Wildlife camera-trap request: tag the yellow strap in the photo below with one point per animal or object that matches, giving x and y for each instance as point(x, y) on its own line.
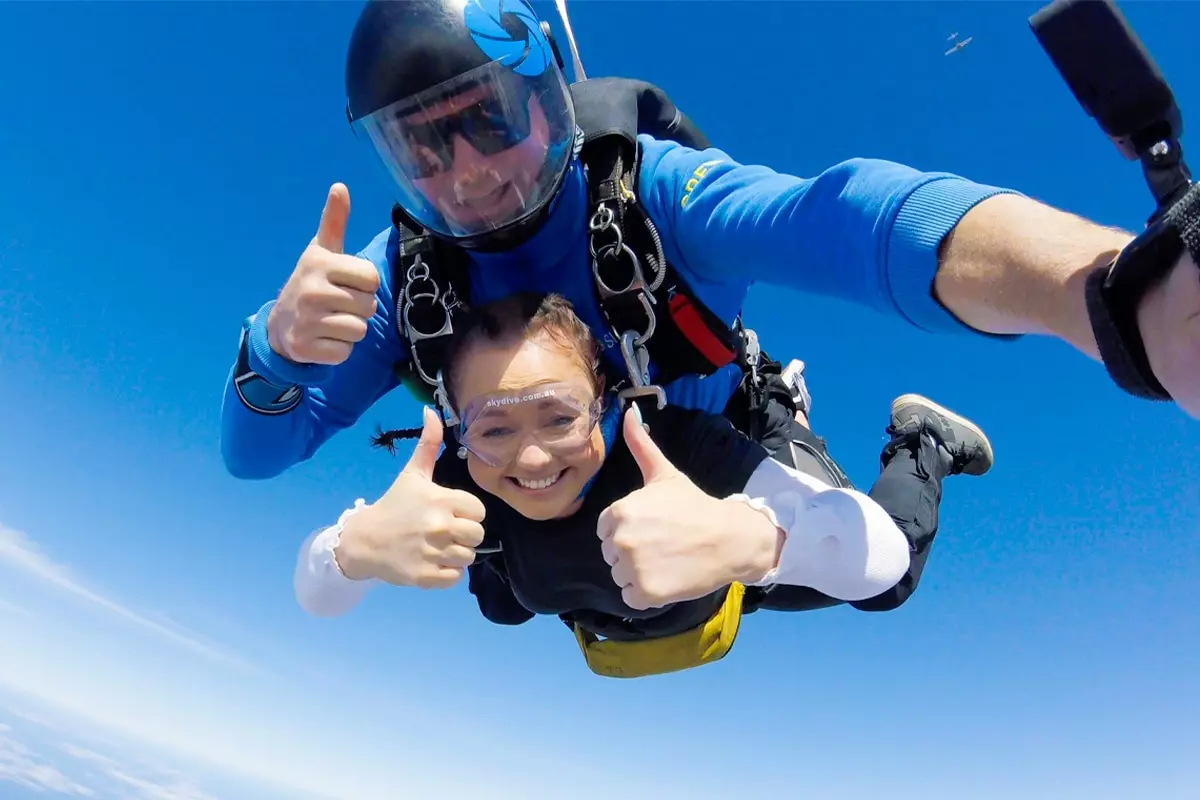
point(701, 645)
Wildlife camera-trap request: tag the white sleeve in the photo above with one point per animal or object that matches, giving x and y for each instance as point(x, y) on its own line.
point(321, 588)
point(838, 541)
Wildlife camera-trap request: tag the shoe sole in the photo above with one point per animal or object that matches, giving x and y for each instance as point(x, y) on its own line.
point(921, 400)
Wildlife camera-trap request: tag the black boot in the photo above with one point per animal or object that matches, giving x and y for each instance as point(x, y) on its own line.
point(968, 447)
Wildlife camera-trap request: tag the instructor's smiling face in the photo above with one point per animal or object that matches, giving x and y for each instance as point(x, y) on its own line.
point(482, 174)
point(530, 411)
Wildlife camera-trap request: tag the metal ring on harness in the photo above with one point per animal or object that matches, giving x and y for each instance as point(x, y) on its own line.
point(415, 335)
point(433, 298)
point(418, 271)
point(602, 220)
point(637, 281)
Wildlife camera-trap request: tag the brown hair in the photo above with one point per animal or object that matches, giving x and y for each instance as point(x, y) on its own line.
point(518, 317)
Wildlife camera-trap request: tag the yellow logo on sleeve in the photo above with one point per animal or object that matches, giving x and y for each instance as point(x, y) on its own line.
point(697, 175)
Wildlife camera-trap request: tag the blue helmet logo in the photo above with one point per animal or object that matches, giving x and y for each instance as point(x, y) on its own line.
point(509, 31)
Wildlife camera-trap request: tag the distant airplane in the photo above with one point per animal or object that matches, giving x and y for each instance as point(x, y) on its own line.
point(952, 37)
point(959, 46)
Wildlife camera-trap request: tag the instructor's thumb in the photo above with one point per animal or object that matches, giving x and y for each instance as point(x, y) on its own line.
point(425, 454)
point(650, 460)
point(331, 232)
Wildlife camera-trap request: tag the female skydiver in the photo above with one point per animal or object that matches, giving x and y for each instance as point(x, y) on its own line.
point(650, 541)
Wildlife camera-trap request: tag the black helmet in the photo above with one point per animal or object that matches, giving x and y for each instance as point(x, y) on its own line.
point(466, 104)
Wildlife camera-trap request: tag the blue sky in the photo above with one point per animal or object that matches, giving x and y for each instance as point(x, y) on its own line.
point(165, 163)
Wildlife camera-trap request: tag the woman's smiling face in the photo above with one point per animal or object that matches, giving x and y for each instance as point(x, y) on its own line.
point(530, 413)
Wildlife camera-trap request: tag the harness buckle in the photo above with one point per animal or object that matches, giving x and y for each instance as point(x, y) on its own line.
point(637, 364)
point(443, 400)
point(753, 352)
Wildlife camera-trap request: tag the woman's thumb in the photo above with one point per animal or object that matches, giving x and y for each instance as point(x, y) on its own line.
point(425, 455)
point(650, 460)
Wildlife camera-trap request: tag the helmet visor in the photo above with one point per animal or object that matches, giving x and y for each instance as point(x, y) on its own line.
point(479, 152)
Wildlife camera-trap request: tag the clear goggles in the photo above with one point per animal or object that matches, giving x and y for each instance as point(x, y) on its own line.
point(558, 417)
point(503, 174)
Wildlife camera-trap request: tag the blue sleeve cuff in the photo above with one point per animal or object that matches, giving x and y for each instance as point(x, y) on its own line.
point(274, 368)
point(926, 217)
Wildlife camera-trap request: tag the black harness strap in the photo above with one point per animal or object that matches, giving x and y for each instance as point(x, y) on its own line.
point(638, 291)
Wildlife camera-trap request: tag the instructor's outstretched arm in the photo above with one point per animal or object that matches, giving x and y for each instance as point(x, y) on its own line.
point(313, 360)
point(944, 253)
point(1013, 265)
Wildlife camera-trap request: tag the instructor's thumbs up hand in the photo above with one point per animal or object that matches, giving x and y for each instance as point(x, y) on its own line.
point(669, 541)
point(324, 307)
point(418, 534)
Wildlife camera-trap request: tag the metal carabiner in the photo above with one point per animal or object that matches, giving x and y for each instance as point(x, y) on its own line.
point(442, 397)
point(637, 365)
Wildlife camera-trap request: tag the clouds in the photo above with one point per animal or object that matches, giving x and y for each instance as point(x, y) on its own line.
point(101, 664)
point(13, 608)
point(150, 783)
point(296, 728)
point(39, 758)
point(19, 764)
point(18, 551)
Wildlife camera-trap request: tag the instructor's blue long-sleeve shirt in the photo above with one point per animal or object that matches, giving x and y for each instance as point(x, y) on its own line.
point(866, 231)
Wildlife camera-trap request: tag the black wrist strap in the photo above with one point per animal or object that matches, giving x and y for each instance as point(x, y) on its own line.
point(1114, 293)
point(1121, 346)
